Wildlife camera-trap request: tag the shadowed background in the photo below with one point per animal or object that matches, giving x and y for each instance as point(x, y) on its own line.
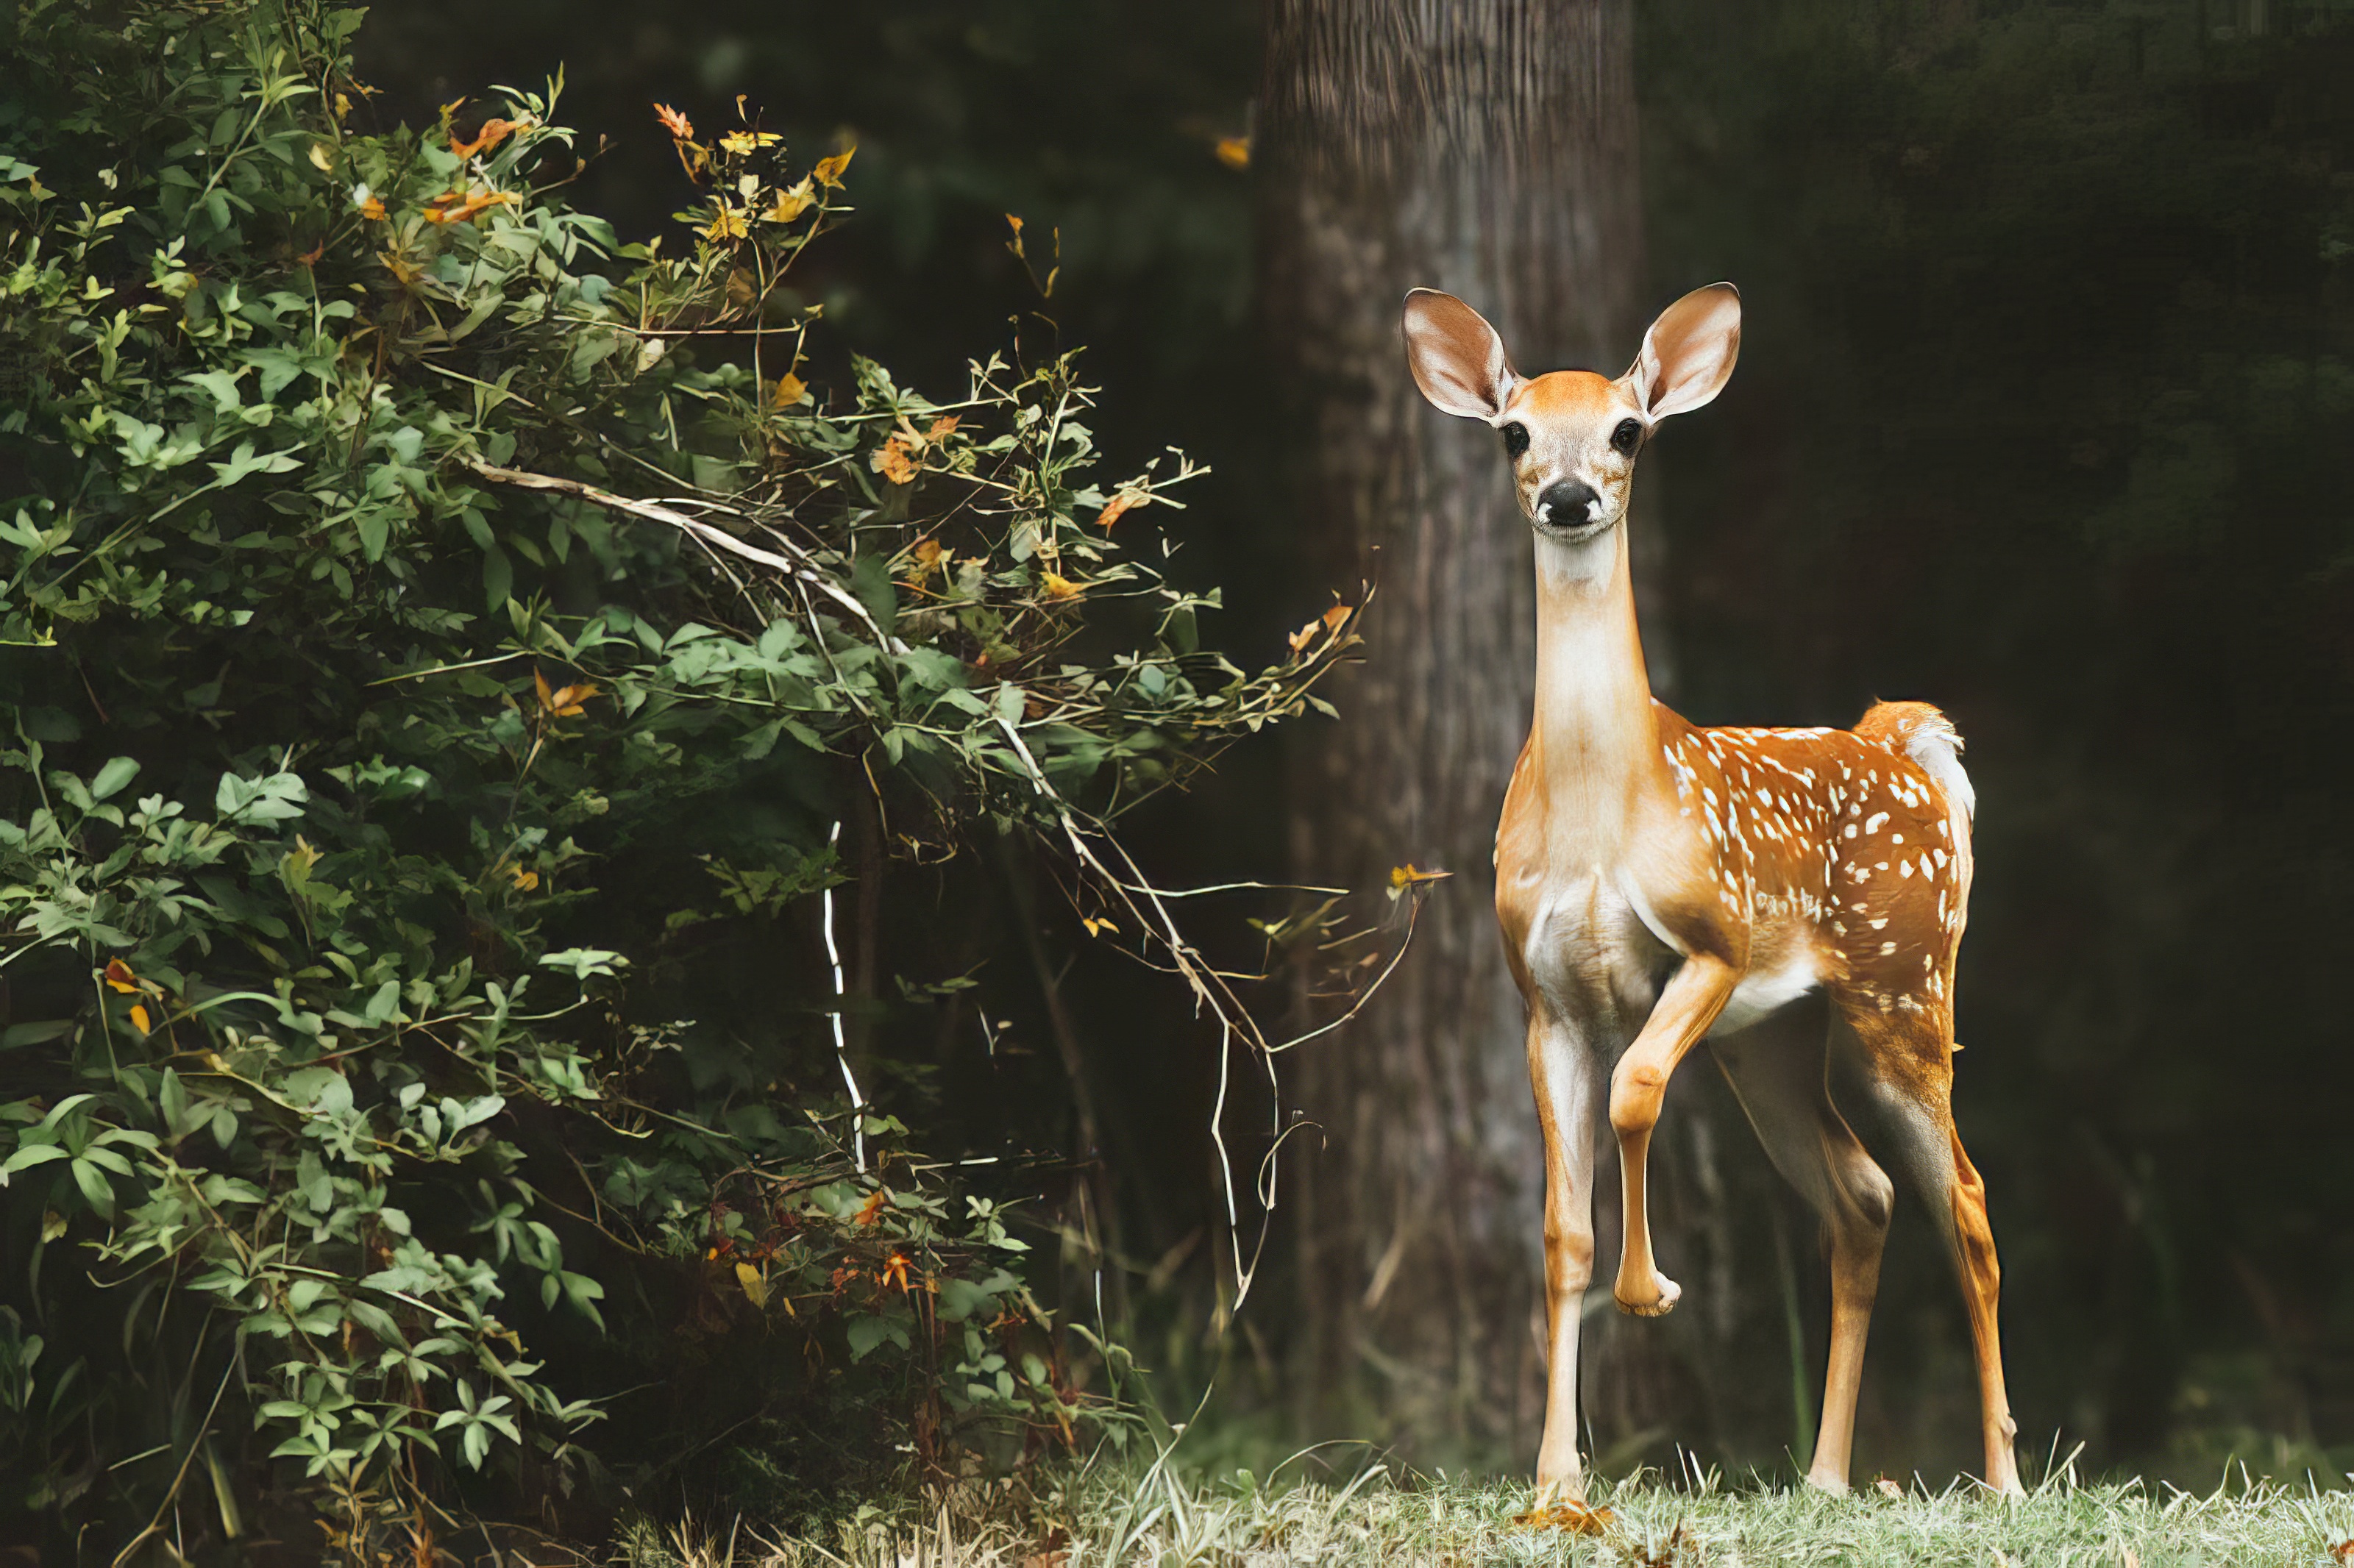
point(2045, 413)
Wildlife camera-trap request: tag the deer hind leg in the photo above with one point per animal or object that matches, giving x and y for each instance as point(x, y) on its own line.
point(1566, 1074)
point(1911, 1064)
point(1778, 1072)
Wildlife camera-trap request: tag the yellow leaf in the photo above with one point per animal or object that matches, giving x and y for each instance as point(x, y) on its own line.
point(1404, 877)
point(790, 205)
point(756, 1288)
point(728, 223)
point(1576, 1518)
point(525, 880)
point(790, 390)
point(1059, 586)
point(372, 210)
point(400, 269)
point(743, 144)
point(118, 976)
point(322, 157)
point(828, 172)
point(139, 1018)
point(1234, 151)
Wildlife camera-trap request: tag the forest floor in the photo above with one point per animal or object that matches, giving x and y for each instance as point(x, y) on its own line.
point(1237, 1524)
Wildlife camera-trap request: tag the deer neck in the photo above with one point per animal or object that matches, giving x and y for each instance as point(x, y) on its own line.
point(1594, 740)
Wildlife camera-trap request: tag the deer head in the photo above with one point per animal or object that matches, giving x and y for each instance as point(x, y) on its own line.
point(1572, 436)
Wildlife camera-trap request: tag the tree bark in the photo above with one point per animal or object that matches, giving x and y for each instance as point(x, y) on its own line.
point(1486, 148)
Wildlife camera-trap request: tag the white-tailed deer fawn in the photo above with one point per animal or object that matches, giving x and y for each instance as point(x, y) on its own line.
point(1782, 894)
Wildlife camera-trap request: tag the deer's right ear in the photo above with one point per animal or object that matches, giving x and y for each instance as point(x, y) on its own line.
point(1458, 361)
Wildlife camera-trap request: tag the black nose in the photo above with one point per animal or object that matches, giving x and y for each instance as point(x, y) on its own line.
point(1567, 503)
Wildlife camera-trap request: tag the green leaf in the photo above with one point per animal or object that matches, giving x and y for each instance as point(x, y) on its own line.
point(117, 771)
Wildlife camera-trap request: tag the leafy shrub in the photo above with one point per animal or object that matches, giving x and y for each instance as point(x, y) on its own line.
point(443, 645)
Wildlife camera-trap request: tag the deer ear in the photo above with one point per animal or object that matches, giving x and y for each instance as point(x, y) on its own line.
point(1687, 354)
point(1458, 361)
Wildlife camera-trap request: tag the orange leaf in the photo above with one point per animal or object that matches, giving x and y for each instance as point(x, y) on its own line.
point(677, 125)
point(895, 1272)
point(525, 880)
point(118, 976)
point(942, 428)
point(1120, 506)
point(372, 208)
point(139, 1019)
point(401, 268)
point(790, 390)
point(1234, 151)
point(828, 172)
point(1336, 617)
point(494, 132)
point(894, 463)
point(869, 1210)
point(1574, 1517)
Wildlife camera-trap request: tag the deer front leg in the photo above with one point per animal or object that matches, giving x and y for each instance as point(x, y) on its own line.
point(1565, 1070)
point(1685, 1010)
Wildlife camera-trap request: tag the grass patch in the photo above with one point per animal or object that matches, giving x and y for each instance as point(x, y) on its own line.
point(1236, 1522)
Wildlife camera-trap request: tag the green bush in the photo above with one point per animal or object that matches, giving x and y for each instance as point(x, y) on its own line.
point(443, 643)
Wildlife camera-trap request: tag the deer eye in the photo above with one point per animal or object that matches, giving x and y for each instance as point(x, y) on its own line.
point(1627, 436)
point(1516, 439)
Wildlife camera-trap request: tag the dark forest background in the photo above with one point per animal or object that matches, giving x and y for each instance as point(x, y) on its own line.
point(2045, 413)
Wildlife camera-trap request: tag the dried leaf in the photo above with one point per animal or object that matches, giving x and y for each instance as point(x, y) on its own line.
point(2343, 1552)
point(680, 128)
point(1234, 151)
point(872, 1208)
point(322, 157)
point(1574, 1517)
point(400, 268)
point(1058, 586)
point(942, 428)
point(1888, 1488)
point(1120, 505)
point(139, 1019)
point(755, 1288)
point(893, 1271)
point(118, 976)
point(1404, 877)
point(525, 881)
point(828, 172)
point(894, 463)
point(493, 132)
point(744, 143)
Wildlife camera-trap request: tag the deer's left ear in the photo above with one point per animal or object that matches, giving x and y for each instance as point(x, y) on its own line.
point(1687, 354)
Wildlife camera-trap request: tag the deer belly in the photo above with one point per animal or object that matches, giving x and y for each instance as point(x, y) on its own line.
point(1770, 987)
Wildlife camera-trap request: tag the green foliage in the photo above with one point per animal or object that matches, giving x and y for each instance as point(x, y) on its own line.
point(443, 643)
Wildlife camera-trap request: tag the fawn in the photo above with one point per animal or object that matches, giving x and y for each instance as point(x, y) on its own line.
point(1782, 894)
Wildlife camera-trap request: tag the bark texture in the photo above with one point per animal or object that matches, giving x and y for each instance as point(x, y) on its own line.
point(1486, 148)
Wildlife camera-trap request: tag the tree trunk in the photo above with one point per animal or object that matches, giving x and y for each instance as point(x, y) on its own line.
point(1486, 148)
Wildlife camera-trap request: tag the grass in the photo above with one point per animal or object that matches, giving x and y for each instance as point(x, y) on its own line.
point(1699, 1521)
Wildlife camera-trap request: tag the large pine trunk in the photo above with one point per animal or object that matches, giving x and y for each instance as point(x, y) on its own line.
point(1488, 148)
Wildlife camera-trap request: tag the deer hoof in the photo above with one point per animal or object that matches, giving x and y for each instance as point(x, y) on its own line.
point(1656, 1301)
